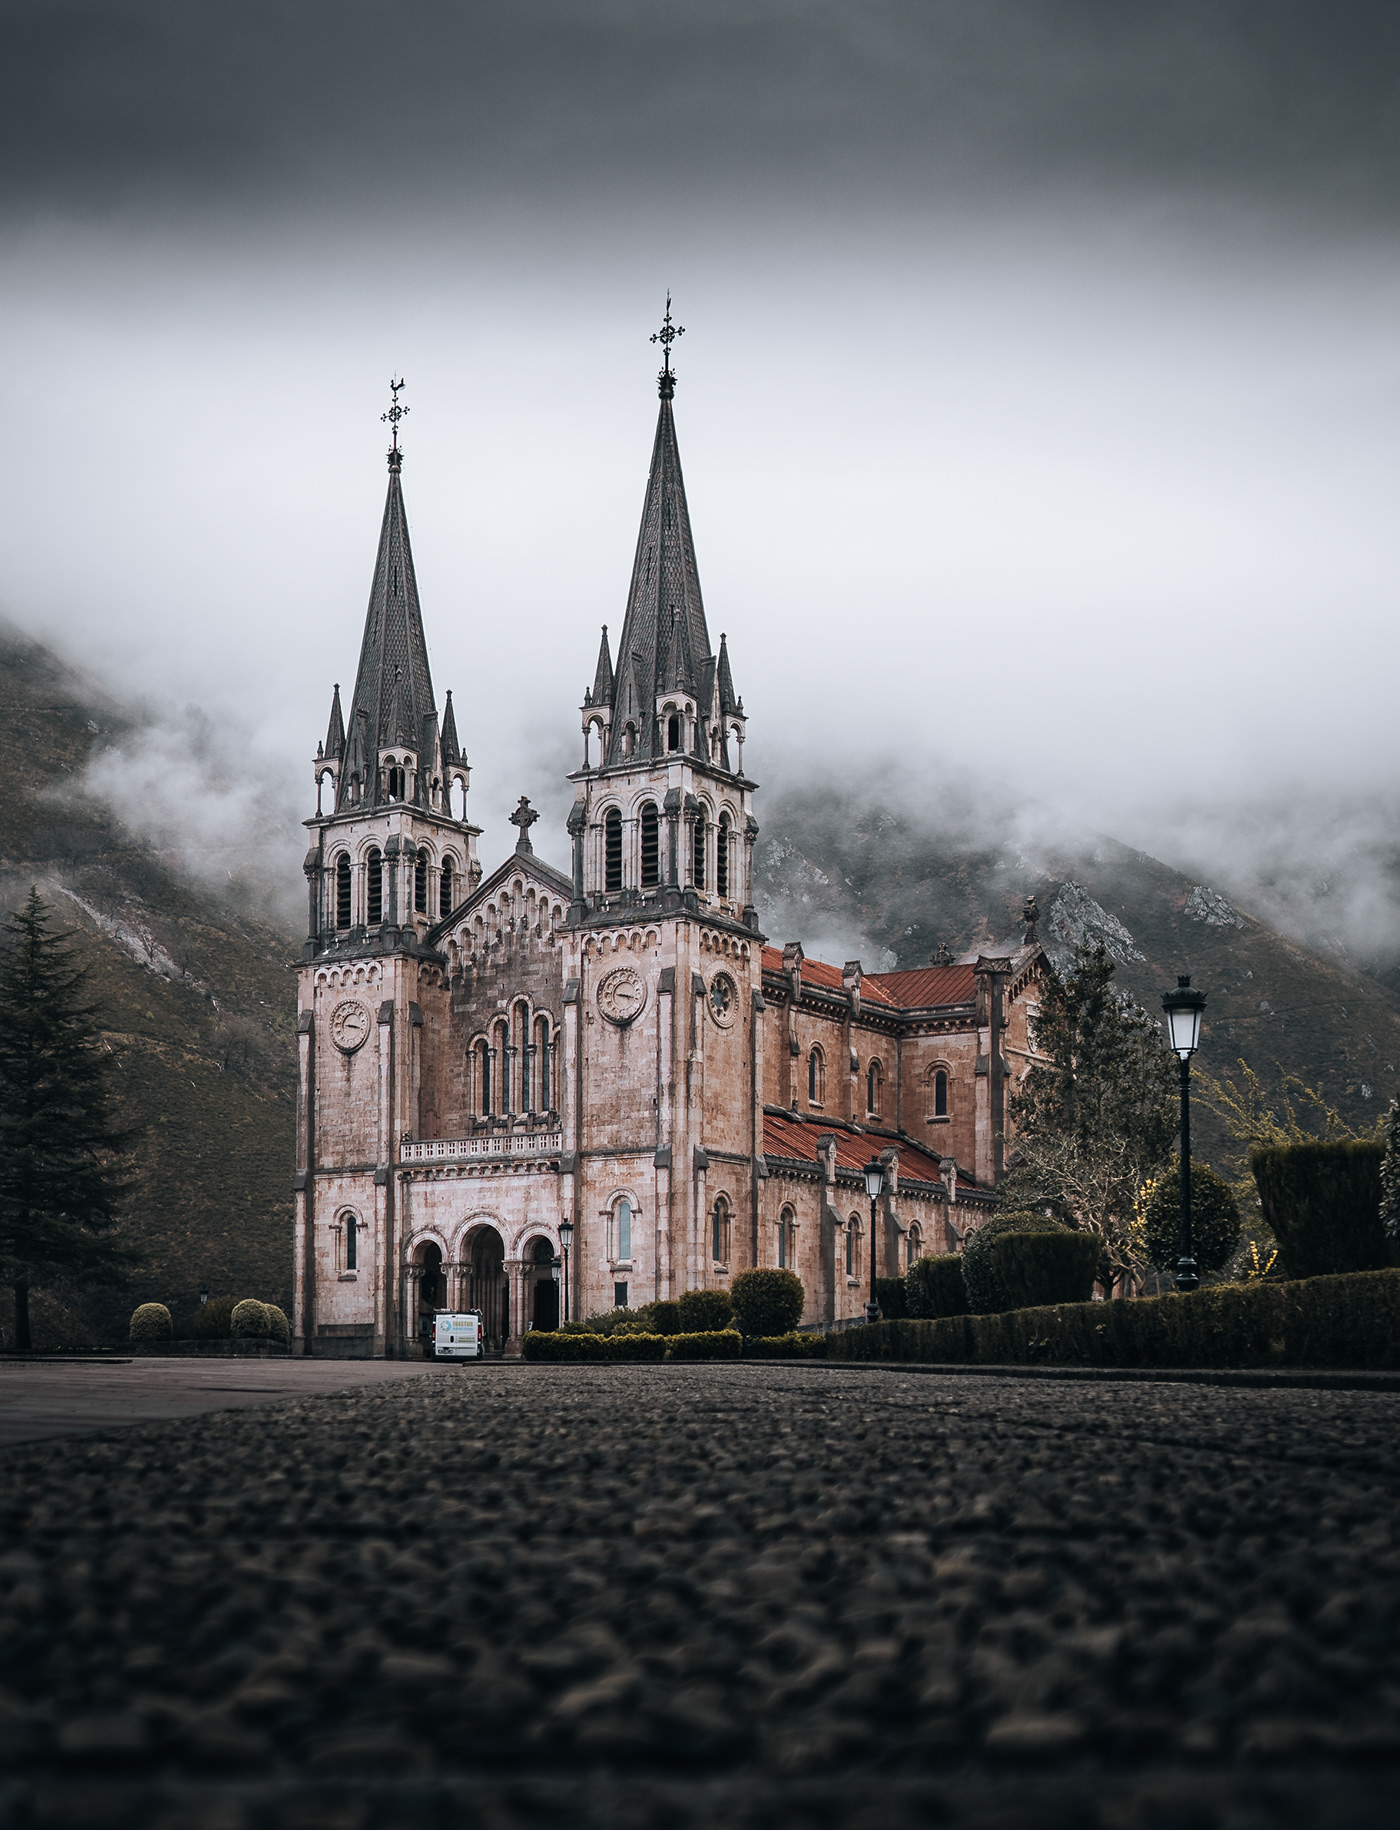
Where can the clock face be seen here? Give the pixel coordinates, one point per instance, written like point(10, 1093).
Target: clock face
point(349, 1025)
point(723, 999)
point(622, 995)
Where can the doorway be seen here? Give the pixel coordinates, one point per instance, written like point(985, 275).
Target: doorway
point(545, 1295)
point(488, 1288)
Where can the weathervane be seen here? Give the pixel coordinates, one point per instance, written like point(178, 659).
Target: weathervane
point(666, 336)
point(396, 412)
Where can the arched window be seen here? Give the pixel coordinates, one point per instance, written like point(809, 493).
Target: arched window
point(342, 891)
point(651, 846)
point(719, 1231)
point(395, 787)
point(673, 731)
point(722, 856)
point(420, 883)
point(622, 1230)
point(544, 1054)
point(445, 889)
point(697, 850)
point(816, 1077)
point(374, 887)
point(484, 1068)
point(938, 1105)
point(852, 1229)
point(352, 1252)
point(874, 1089)
point(785, 1220)
point(612, 849)
point(913, 1247)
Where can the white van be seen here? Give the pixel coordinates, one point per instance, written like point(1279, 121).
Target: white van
point(457, 1337)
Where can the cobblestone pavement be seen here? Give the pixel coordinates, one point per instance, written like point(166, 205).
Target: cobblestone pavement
point(756, 1596)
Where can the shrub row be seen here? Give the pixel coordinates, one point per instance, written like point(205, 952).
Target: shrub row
point(787, 1347)
point(1338, 1322)
point(543, 1344)
point(1037, 1269)
point(219, 1319)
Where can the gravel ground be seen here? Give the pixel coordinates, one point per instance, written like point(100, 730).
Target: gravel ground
point(759, 1596)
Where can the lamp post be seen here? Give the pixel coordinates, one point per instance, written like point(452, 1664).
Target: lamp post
point(1183, 1007)
point(874, 1182)
point(566, 1234)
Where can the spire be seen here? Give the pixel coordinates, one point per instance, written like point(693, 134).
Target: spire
point(665, 578)
point(451, 749)
point(393, 687)
point(335, 730)
point(603, 679)
point(729, 701)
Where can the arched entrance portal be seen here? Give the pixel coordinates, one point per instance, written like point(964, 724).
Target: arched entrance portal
point(432, 1286)
point(487, 1286)
point(542, 1299)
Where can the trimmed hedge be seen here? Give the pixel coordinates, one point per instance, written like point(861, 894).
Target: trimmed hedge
point(1322, 1203)
point(767, 1302)
point(278, 1326)
point(151, 1322)
point(935, 1286)
point(1215, 1218)
point(705, 1311)
point(985, 1291)
point(1037, 1269)
point(550, 1344)
point(713, 1344)
point(1351, 1321)
point(787, 1347)
point(890, 1294)
point(249, 1320)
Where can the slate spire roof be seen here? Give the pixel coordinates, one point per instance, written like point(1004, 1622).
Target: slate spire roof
point(393, 698)
point(665, 644)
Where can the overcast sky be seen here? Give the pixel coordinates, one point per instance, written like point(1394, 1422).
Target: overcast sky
point(1039, 398)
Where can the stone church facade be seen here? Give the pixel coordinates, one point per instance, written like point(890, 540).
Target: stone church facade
point(615, 1045)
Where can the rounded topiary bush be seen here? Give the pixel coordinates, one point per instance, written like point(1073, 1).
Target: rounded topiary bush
point(215, 1318)
point(986, 1293)
point(1215, 1218)
point(705, 1311)
point(249, 1321)
point(151, 1322)
point(935, 1287)
point(767, 1302)
point(278, 1327)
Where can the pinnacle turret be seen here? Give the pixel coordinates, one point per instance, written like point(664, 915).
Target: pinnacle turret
point(335, 730)
point(451, 749)
point(602, 690)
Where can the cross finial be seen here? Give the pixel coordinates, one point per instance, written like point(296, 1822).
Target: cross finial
point(666, 336)
point(524, 817)
point(394, 415)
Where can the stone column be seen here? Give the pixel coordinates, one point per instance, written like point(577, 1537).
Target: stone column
point(515, 1274)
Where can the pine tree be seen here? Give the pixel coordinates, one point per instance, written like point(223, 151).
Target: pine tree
point(1100, 1115)
point(61, 1173)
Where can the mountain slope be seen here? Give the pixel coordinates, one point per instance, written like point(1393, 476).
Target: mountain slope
point(197, 1011)
point(849, 865)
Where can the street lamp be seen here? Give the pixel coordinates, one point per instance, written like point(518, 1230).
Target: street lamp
point(1183, 1007)
point(566, 1234)
point(874, 1182)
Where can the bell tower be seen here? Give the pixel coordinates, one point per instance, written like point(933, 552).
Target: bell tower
point(661, 1008)
point(392, 853)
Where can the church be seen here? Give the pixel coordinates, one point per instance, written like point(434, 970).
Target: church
point(614, 1048)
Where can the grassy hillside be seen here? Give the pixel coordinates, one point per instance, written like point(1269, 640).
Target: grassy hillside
point(830, 865)
point(197, 1009)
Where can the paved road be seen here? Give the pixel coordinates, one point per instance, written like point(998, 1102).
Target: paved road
point(43, 1398)
point(677, 1597)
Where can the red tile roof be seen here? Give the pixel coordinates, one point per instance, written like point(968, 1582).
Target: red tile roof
point(788, 1135)
point(924, 988)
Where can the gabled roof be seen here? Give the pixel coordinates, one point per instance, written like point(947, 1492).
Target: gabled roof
point(524, 864)
point(789, 1135)
point(393, 686)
